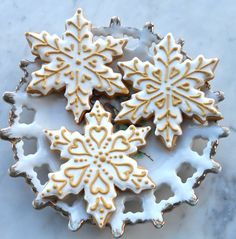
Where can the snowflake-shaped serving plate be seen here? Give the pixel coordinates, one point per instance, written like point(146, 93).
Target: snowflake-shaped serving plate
point(179, 170)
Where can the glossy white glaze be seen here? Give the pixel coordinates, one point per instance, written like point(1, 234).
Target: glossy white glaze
point(215, 37)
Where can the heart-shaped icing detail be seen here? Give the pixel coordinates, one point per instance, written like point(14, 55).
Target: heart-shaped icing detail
point(75, 174)
point(185, 86)
point(99, 185)
point(123, 170)
point(98, 134)
point(160, 103)
point(78, 148)
point(174, 72)
point(176, 100)
point(120, 144)
point(151, 88)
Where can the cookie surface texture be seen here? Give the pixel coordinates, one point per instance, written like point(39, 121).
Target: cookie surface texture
point(77, 63)
point(97, 162)
point(168, 87)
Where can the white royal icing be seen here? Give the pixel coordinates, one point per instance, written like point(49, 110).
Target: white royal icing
point(77, 63)
point(168, 86)
point(163, 168)
point(97, 162)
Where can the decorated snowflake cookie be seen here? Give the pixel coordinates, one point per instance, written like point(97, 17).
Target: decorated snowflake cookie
point(97, 162)
point(89, 182)
point(77, 63)
point(168, 85)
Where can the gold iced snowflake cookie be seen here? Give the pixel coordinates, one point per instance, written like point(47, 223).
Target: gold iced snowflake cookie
point(77, 63)
point(98, 161)
point(168, 86)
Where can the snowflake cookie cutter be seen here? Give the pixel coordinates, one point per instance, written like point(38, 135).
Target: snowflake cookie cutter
point(166, 164)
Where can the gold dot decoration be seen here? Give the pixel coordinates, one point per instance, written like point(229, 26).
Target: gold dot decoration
point(169, 87)
point(99, 169)
point(80, 67)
